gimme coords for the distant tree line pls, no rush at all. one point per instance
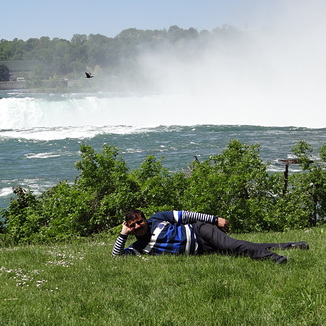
(114, 57)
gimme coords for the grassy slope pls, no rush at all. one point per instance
(81, 284)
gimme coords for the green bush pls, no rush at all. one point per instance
(158, 187)
(106, 176)
(231, 184)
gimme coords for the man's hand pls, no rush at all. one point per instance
(223, 224)
(125, 229)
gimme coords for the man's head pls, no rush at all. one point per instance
(136, 221)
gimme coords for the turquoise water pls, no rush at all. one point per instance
(40, 137)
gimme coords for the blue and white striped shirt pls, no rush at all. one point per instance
(169, 232)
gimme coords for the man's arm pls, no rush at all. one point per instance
(119, 246)
(185, 217)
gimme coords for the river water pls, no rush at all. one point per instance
(40, 135)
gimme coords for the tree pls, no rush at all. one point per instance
(4, 73)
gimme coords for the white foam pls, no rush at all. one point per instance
(6, 191)
(132, 150)
(79, 132)
(25, 113)
(41, 155)
(145, 111)
(36, 185)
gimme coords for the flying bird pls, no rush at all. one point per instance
(88, 75)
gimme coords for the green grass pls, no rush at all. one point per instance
(81, 284)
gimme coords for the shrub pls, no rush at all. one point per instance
(158, 187)
(230, 184)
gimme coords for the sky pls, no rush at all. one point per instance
(63, 18)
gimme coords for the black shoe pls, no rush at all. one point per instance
(279, 259)
(300, 245)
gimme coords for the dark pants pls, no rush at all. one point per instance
(212, 239)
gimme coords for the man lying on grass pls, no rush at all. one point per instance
(183, 232)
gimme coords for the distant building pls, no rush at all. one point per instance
(22, 68)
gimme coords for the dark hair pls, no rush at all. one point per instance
(131, 215)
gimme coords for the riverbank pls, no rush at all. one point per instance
(13, 85)
(42, 86)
